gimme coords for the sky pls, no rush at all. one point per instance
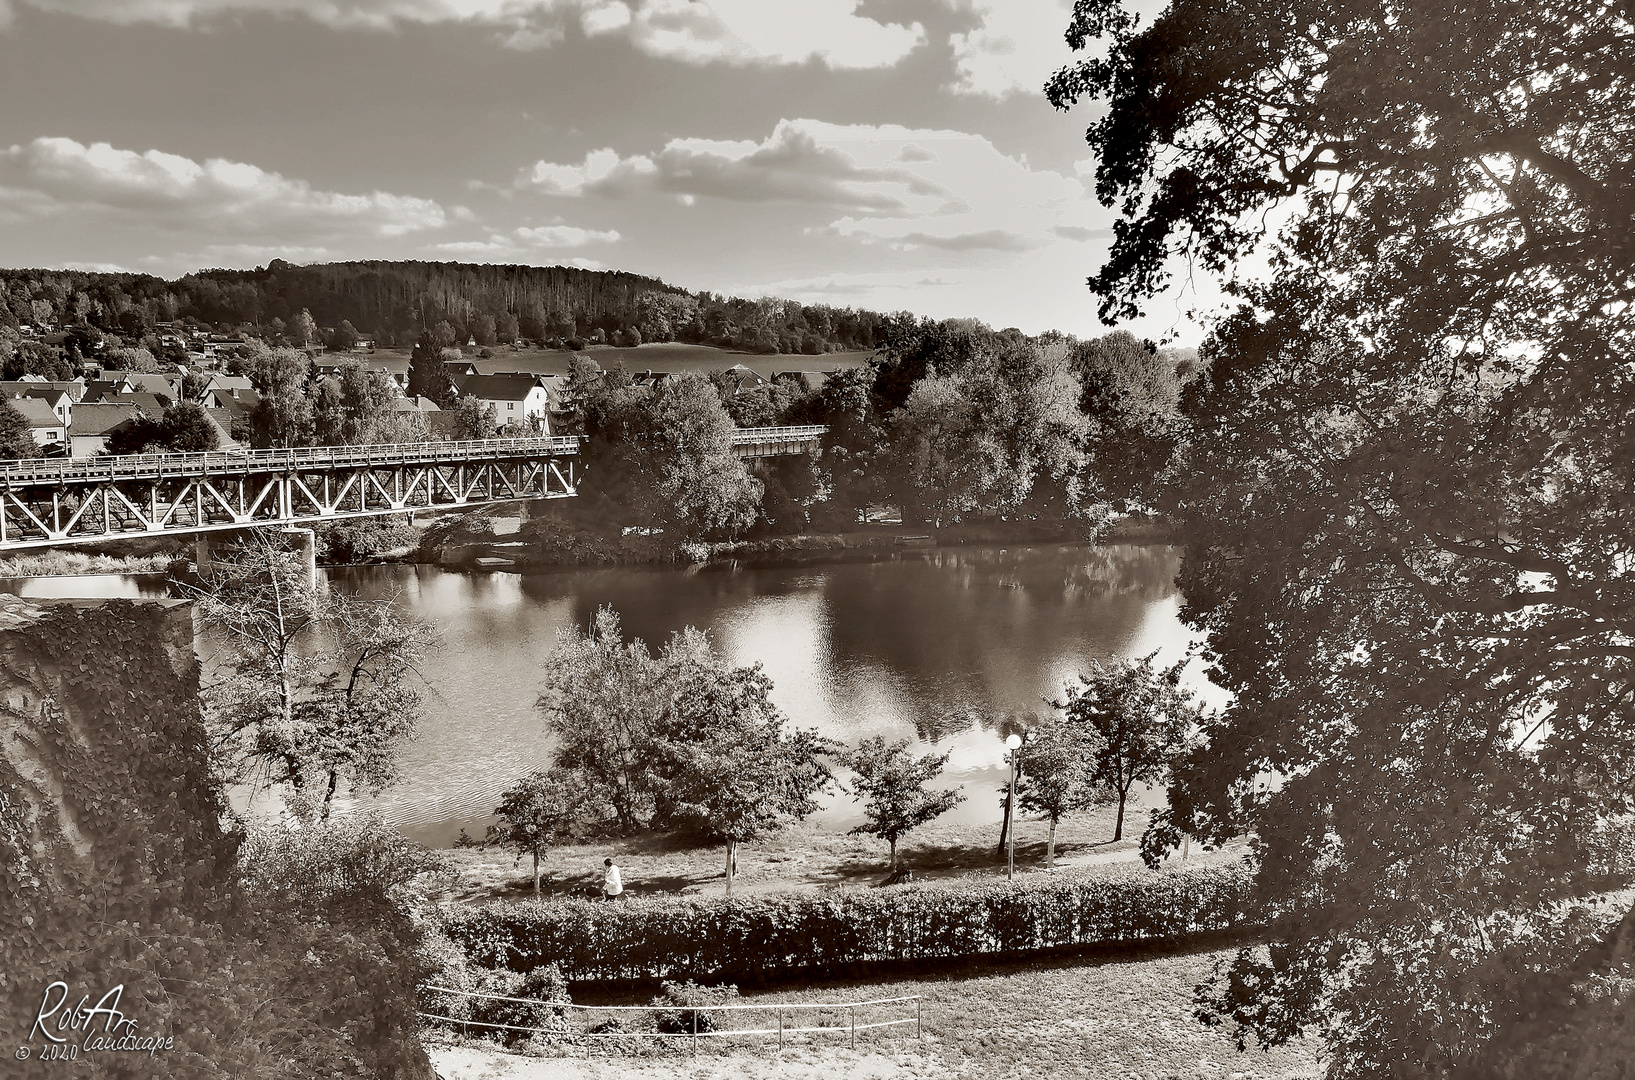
(887, 154)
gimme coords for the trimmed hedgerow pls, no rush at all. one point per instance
(744, 936)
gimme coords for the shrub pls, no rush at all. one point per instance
(745, 936)
(365, 538)
(683, 1017)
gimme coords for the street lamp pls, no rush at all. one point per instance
(1013, 743)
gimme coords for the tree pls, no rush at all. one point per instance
(725, 759)
(137, 360)
(537, 812)
(344, 338)
(1136, 721)
(355, 407)
(183, 428)
(667, 456)
(1410, 559)
(890, 783)
(1058, 776)
(427, 375)
(475, 420)
(315, 685)
(283, 415)
(16, 436)
(303, 330)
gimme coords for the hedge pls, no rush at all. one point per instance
(647, 938)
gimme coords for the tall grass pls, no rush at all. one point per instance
(54, 563)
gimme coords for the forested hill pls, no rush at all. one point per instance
(394, 301)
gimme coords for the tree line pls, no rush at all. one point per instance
(394, 302)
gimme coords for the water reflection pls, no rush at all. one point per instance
(952, 648)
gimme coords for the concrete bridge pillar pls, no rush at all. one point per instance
(304, 543)
(201, 554)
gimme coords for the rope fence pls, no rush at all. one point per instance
(584, 1031)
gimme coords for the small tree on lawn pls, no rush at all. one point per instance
(536, 813)
(1135, 719)
(1059, 776)
(728, 763)
(891, 784)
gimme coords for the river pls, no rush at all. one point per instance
(935, 645)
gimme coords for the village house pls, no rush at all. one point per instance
(95, 423)
(517, 399)
(44, 424)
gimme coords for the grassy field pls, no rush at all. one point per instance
(61, 562)
(803, 858)
(659, 356)
(1120, 1015)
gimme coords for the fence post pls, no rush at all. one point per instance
(919, 1032)
(851, 1011)
(780, 1030)
(587, 1034)
(695, 1031)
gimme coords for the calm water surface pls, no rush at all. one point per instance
(937, 646)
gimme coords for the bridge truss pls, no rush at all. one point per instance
(55, 502)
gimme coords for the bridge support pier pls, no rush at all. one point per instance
(304, 543)
(201, 554)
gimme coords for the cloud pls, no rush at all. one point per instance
(692, 31)
(792, 165)
(1078, 234)
(525, 239)
(1015, 46)
(50, 177)
(987, 240)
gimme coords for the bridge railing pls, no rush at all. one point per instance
(750, 436)
(114, 467)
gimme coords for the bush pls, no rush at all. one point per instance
(365, 538)
(682, 1017)
(745, 936)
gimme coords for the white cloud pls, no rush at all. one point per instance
(1015, 47)
(524, 240)
(53, 176)
(693, 31)
(797, 163)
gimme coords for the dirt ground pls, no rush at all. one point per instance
(801, 858)
(1111, 1017)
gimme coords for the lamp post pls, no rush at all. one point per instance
(1013, 743)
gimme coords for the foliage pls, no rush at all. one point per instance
(677, 738)
(688, 1003)
(891, 784)
(314, 685)
(183, 428)
(360, 539)
(117, 870)
(537, 812)
(728, 763)
(16, 436)
(1058, 775)
(667, 457)
(283, 415)
(1406, 478)
(743, 937)
(427, 375)
(1135, 722)
(354, 407)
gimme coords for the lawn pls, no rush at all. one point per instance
(804, 857)
(1125, 1014)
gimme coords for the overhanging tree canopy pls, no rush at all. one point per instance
(1408, 477)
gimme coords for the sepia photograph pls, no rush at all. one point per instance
(817, 540)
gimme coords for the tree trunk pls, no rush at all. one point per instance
(1004, 826)
(731, 844)
(536, 873)
(1050, 844)
(329, 795)
(1118, 826)
(893, 854)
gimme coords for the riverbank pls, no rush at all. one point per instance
(551, 540)
(802, 858)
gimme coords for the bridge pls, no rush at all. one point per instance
(55, 501)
